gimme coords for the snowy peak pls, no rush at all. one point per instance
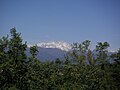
(58, 44)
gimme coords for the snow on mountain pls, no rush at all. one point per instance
(58, 44)
(53, 50)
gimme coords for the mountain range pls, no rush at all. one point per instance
(57, 44)
(53, 50)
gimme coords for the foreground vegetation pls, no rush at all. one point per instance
(20, 72)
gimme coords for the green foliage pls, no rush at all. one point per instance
(80, 70)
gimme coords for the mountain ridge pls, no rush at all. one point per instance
(52, 50)
(54, 44)
(64, 46)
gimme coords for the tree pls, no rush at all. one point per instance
(13, 61)
(115, 70)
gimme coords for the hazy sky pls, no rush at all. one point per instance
(62, 20)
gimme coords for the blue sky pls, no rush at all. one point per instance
(62, 20)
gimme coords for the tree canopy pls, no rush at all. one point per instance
(80, 69)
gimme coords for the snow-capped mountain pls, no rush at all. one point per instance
(53, 50)
(58, 44)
